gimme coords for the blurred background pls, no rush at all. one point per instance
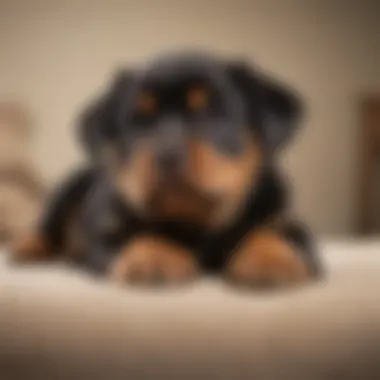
(56, 54)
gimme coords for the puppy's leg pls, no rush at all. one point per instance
(32, 247)
(152, 259)
(270, 257)
(49, 235)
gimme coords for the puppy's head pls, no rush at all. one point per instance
(193, 133)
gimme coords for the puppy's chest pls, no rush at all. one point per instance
(119, 224)
(211, 247)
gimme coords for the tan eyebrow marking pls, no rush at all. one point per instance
(197, 98)
(146, 103)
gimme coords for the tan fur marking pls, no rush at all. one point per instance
(150, 259)
(197, 98)
(265, 258)
(146, 103)
(136, 180)
(183, 205)
(32, 247)
(229, 178)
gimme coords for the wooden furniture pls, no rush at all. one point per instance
(369, 167)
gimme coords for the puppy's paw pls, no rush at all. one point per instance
(266, 260)
(32, 247)
(147, 260)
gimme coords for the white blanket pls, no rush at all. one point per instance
(57, 323)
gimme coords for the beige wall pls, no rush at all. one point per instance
(56, 53)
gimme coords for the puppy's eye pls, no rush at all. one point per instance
(146, 104)
(197, 99)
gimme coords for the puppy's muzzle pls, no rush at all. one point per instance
(171, 163)
(171, 150)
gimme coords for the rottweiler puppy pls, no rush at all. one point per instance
(184, 180)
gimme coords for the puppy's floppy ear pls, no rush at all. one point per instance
(97, 124)
(274, 109)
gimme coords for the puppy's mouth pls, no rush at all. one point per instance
(177, 199)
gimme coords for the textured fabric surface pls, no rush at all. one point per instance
(56, 323)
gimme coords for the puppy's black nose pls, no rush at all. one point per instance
(170, 162)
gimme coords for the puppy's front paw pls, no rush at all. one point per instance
(32, 247)
(266, 260)
(153, 260)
